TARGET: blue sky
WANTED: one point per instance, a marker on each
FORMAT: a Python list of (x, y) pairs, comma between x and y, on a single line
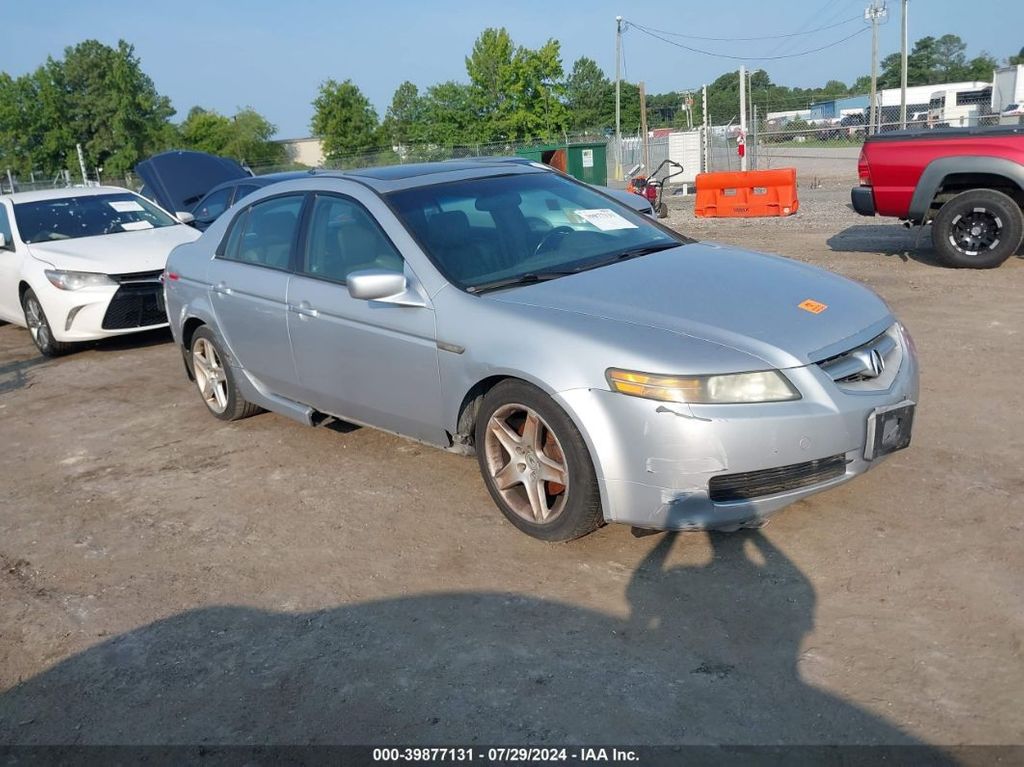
[(273, 55)]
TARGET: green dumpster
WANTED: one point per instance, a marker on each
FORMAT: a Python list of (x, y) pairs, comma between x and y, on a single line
[(585, 161)]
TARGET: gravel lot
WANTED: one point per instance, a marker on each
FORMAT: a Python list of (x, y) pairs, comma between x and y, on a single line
[(167, 578)]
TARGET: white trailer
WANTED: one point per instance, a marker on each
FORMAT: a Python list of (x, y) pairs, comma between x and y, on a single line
[(1007, 87)]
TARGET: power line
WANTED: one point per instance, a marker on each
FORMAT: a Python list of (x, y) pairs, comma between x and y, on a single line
[(748, 39), (651, 33)]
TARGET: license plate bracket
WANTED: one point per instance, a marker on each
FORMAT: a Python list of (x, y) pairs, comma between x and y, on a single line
[(889, 429)]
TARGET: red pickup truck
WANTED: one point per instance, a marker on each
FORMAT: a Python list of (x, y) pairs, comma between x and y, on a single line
[(969, 183)]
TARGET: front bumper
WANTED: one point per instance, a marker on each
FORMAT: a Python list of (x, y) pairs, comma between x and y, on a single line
[(863, 200), (99, 312), (654, 461)]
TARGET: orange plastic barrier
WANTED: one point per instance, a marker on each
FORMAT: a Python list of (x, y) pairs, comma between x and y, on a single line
[(747, 194)]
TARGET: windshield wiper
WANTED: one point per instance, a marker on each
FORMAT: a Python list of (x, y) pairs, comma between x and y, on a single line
[(523, 279), (628, 254)]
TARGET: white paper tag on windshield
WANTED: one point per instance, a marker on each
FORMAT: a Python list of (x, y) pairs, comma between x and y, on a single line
[(604, 219), (131, 226), (126, 206)]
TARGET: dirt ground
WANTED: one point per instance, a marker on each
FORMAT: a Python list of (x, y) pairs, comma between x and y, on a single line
[(168, 578)]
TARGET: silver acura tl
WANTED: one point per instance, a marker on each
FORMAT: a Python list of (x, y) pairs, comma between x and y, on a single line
[(601, 367)]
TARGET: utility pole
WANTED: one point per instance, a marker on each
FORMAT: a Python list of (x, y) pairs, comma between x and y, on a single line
[(903, 70), (81, 165), (706, 122), (646, 157), (872, 14), (743, 115), (618, 98)]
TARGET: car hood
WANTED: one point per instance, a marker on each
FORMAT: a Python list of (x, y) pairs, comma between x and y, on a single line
[(734, 298), (121, 253), (178, 180)]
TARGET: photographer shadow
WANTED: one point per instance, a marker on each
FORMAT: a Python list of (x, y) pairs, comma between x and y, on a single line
[(708, 655)]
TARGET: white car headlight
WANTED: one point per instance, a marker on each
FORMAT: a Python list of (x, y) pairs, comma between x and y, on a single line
[(734, 388), (66, 280)]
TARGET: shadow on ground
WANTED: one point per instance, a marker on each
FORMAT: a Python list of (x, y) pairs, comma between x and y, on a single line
[(708, 655), (890, 240), (886, 240)]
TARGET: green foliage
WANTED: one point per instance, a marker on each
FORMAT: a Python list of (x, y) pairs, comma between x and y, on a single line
[(246, 136), (344, 119), (933, 61), (403, 123), (95, 95), (589, 97), (1018, 59), (516, 92)]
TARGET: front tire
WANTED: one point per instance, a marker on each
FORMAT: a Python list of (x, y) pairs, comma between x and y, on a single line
[(535, 464), (978, 229), (216, 380), (39, 326)]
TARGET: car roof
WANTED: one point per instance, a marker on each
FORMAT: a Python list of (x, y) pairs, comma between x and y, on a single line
[(391, 178), (64, 193), (265, 180)]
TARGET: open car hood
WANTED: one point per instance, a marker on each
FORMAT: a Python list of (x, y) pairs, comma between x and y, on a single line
[(177, 180)]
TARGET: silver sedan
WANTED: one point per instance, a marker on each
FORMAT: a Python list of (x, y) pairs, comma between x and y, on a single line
[(601, 367)]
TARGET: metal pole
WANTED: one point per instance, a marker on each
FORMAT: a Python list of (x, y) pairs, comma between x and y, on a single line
[(873, 13), (646, 156), (903, 71), (81, 164), (706, 120), (743, 115), (752, 147), (618, 97), (10, 180)]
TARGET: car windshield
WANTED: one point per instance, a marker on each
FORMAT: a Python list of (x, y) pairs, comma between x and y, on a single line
[(494, 232), (91, 215)]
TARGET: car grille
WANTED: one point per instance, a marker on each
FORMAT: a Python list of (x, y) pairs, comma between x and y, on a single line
[(137, 276), (753, 484), (869, 366), (135, 305)]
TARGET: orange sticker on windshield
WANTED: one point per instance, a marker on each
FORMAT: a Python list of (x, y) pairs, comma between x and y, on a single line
[(812, 306)]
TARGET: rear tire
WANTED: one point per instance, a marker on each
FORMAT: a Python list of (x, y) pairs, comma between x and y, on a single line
[(39, 326), (215, 379), (978, 229)]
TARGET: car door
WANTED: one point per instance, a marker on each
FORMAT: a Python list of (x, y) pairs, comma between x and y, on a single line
[(10, 271), (369, 361), (211, 206), (249, 285)]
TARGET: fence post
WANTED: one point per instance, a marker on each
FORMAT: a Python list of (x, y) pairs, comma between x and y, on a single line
[(707, 129)]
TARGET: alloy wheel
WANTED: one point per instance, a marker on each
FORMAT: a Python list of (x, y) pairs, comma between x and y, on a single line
[(527, 464), (975, 231), (210, 376), (36, 321)]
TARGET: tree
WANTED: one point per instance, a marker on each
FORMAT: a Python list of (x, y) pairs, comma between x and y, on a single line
[(112, 106), (589, 96), (1016, 60), (403, 123), (344, 119), (516, 92), (246, 136), (448, 115)]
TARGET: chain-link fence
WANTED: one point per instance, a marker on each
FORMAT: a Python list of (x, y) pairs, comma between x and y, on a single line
[(11, 182)]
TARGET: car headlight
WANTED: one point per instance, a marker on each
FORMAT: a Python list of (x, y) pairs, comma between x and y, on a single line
[(66, 280), (733, 388)]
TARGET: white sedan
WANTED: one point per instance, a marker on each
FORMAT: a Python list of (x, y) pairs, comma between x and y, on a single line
[(83, 264)]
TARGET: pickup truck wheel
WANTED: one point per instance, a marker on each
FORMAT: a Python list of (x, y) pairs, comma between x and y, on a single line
[(978, 229)]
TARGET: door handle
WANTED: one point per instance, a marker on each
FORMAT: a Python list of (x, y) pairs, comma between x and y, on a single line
[(303, 310), (222, 289)]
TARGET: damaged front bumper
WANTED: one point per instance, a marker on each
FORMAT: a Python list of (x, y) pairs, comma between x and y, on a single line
[(656, 461)]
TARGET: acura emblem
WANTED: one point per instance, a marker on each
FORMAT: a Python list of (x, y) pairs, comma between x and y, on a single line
[(872, 361)]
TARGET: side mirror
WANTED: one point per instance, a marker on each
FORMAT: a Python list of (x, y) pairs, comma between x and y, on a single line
[(375, 284), (184, 216), (382, 285)]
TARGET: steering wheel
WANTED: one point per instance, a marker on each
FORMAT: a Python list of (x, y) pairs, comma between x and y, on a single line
[(552, 237)]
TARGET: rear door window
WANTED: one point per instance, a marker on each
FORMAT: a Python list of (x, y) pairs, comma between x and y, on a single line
[(264, 234)]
